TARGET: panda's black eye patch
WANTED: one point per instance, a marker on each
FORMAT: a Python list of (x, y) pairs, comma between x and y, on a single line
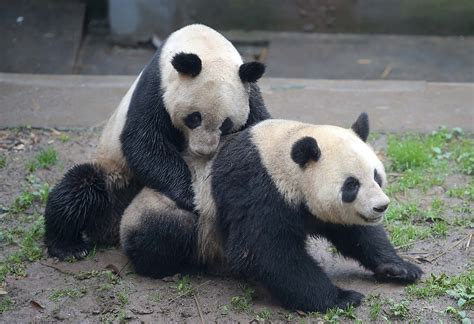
[(350, 189), (226, 126), (193, 120), (377, 178)]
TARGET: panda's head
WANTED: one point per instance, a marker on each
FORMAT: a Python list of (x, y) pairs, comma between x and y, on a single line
[(341, 178), (208, 98)]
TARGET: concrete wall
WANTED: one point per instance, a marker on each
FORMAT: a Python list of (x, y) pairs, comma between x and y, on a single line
[(138, 20)]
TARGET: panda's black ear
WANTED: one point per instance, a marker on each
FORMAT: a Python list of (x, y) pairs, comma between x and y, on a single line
[(187, 64), (361, 126), (251, 71), (304, 150)]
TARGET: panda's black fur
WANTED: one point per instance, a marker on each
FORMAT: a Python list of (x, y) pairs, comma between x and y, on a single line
[(262, 236), (91, 197)]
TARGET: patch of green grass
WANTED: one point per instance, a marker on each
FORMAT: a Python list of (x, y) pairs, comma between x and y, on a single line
[(439, 285), (122, 298), (6, 304), (408, 153), (225, 309), (398, 310), (243, 303), (3, 161), (22, 202), (466, 192), (30, 250), (402, 212), (458, 314), (375, 306), (264, 315), (184, 286), (45, 159), (404, 234), (74, 293), (334, 315), (64, 138)]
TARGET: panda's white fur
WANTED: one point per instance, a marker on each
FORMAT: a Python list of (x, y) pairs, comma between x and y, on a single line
[(267, 189), (216, 92), (318, 184), (196, 72)]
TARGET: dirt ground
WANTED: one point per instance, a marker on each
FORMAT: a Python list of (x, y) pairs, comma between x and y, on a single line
[(104, 288)]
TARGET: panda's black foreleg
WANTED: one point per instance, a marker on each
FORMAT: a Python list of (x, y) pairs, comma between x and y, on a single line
[(286, 269), (162, 242), (371, 247), (80, 196)]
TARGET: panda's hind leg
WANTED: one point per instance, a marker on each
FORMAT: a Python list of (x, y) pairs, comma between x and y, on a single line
[(79, 196), (159, 238)]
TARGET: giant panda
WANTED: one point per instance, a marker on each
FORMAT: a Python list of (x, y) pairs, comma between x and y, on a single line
[(195, 89), (267, 189)]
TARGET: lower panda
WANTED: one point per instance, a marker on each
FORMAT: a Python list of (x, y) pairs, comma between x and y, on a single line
[(267, 189)]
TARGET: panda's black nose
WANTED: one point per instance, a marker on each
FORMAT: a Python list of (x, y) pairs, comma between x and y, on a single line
[(381, 209)]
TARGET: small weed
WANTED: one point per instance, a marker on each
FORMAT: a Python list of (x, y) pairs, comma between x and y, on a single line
[(334, 315), (225, 309), (459, 314), (64, 138), (5, 304), (376, 304), (243, 303), (46, 158), (264, 315), (111, 277), (466, 192), (122, 298), (22, 202), (399, 310), (57, 295), (84, 275), (184, 286), (464, 294), (3, 161), (105, 287)]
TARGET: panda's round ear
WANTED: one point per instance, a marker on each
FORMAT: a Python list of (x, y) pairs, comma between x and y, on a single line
[(361, 126), (187, 64), (251, 71), (304, 150)]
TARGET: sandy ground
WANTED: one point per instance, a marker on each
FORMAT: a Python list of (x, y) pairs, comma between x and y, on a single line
[(103, 296)]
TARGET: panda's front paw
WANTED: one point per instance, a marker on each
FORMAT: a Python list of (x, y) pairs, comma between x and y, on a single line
[(346, 298), (402, 271)]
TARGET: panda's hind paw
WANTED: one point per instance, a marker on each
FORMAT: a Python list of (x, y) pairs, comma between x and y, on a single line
[(403, 272), (348, 298), (77, 251)]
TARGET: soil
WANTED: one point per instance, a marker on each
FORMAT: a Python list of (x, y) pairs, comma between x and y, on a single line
[(152, 300)]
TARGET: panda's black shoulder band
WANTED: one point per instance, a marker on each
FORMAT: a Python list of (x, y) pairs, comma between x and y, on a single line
[(251, 71), (187, 64), (304, 150)]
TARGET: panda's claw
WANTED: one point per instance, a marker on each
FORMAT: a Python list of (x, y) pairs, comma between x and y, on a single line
[(78, 251), (403, 272)]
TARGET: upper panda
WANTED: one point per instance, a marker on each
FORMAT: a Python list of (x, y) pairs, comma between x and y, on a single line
[(269, 188), (195, 89)]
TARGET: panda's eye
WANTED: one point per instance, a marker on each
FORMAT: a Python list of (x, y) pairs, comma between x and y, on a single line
[(350, 189), (193, 120), (377, 178), (226, 126)]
